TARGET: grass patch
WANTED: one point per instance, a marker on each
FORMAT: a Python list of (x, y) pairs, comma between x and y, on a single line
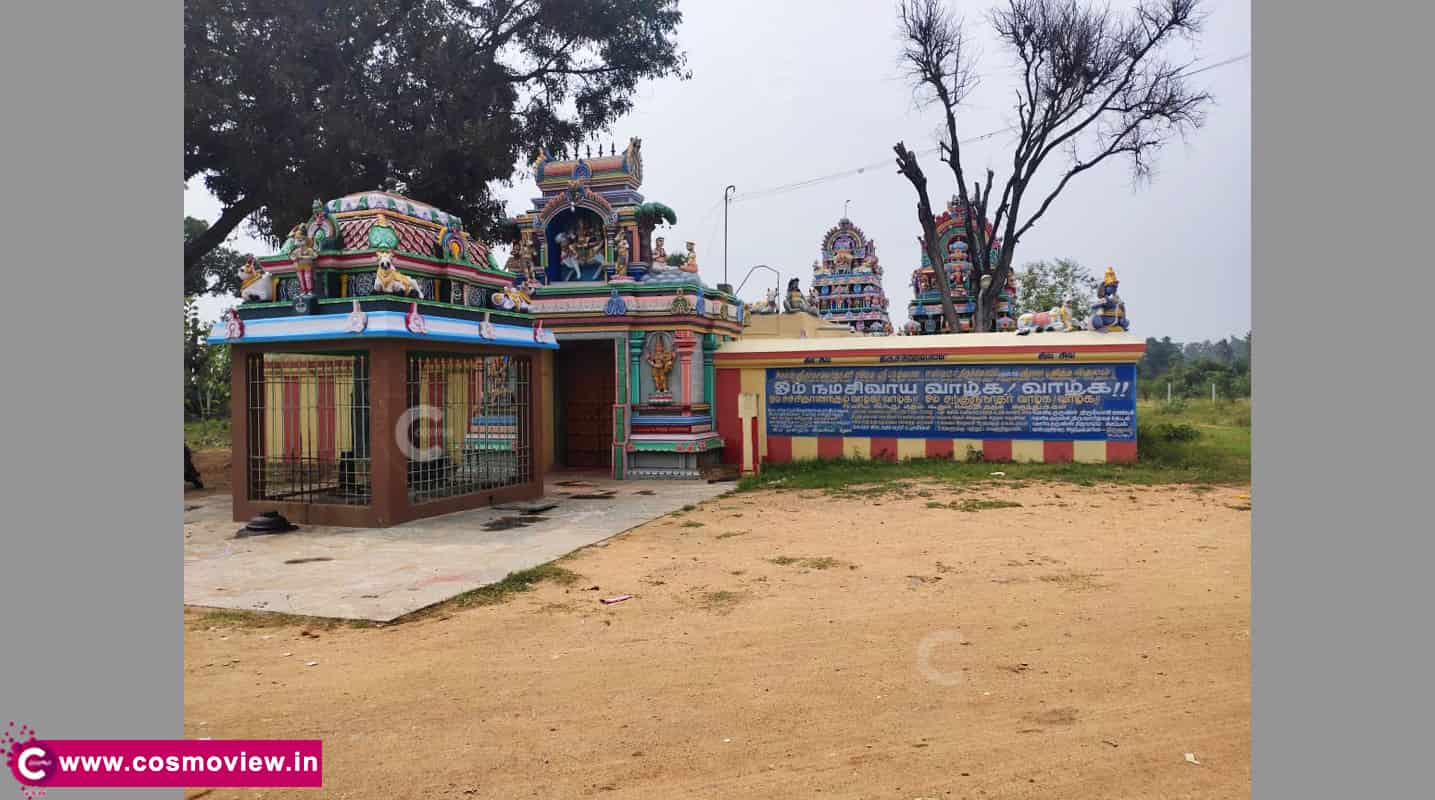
[(820, 562), (692, 524), (1074, 580), (719, 602), (206, 434), (236, 618), (515, 582), (935, 504), (730, 534), (982, 504)]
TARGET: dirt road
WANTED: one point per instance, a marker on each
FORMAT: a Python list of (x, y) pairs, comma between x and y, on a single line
[(785, 644)]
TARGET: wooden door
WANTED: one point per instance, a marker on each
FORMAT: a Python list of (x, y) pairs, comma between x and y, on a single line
[(586, 378)]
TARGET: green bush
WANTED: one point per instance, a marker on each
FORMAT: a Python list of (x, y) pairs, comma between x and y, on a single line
[(1169, 432)]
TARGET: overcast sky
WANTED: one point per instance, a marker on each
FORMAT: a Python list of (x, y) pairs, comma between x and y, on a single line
[(787, 91)]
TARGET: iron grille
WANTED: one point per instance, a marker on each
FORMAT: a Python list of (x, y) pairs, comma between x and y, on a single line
[(470, 426), (308, 428)]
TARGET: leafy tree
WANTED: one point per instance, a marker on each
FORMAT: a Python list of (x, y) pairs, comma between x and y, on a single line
[(1091, 85), (206, 369), (1161, 354), (1042, 285), (1191, 368), (193, 356), (286, 102), (217, 271)]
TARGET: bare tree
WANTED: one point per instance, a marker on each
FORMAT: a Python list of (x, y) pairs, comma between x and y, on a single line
[(1092, 85)]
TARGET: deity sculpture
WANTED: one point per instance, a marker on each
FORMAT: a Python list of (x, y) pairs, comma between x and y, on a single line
[(520, 261), (620, 259), (660, 360), (795, 299), (660, 256), (690, 264), (578, 246), (1108, 313), (321, 227), (512, 298), (304, 253)]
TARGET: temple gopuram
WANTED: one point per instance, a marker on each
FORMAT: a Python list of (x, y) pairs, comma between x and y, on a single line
[(632, 383), (925, 308), (847, 281)]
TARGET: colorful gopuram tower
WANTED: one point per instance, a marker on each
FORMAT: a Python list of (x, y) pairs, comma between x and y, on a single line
[(632, 381), (925, 309), (847, 281)]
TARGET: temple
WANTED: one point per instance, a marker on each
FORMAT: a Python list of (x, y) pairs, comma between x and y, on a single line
[(847, 281), (382, 370), (386, 368), (925, 308)]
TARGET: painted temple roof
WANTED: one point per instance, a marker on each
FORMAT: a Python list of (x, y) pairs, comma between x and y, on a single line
[(416, 227), (623, 168)]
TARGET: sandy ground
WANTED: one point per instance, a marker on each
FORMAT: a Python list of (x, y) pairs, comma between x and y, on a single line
[(1076, 646)]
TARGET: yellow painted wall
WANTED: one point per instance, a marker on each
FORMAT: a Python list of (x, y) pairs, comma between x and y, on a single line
[(792, 326)]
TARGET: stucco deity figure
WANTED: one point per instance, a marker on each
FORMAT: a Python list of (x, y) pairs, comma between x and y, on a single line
[(660, 361), (620, 257), (1108, 313), (660, 255), (304, 253), (690, 264), (795, 299)]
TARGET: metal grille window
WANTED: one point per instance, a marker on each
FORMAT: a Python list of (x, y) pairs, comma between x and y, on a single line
[(470, 426), (308, 428)]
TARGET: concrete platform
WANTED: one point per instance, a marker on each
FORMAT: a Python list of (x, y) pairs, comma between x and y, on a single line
[(383, 574)]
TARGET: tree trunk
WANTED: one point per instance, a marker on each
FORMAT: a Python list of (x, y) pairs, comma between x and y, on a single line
[(907, 165), (200, 246)]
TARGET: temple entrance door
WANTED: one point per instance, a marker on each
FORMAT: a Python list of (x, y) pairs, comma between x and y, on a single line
[(586, 393)]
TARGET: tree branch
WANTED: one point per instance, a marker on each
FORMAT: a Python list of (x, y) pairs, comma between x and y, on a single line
[(213, 236)]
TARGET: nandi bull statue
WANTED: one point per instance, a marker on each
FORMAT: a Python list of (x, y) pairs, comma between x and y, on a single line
[(1108, 313), (254, 283), (1057, 319), (388, 279), (768, 305)]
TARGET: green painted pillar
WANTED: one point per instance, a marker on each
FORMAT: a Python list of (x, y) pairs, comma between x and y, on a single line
[(710, 344), (635, 375), (621, 411)]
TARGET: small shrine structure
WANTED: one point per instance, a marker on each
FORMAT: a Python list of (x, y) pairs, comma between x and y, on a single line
[(925, 308), (631, 387), (384, 369), (847, 281)]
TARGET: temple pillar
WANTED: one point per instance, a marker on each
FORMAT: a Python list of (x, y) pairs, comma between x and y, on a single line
[(622, 425), (685, 343), (710, 344), (635, 374)]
